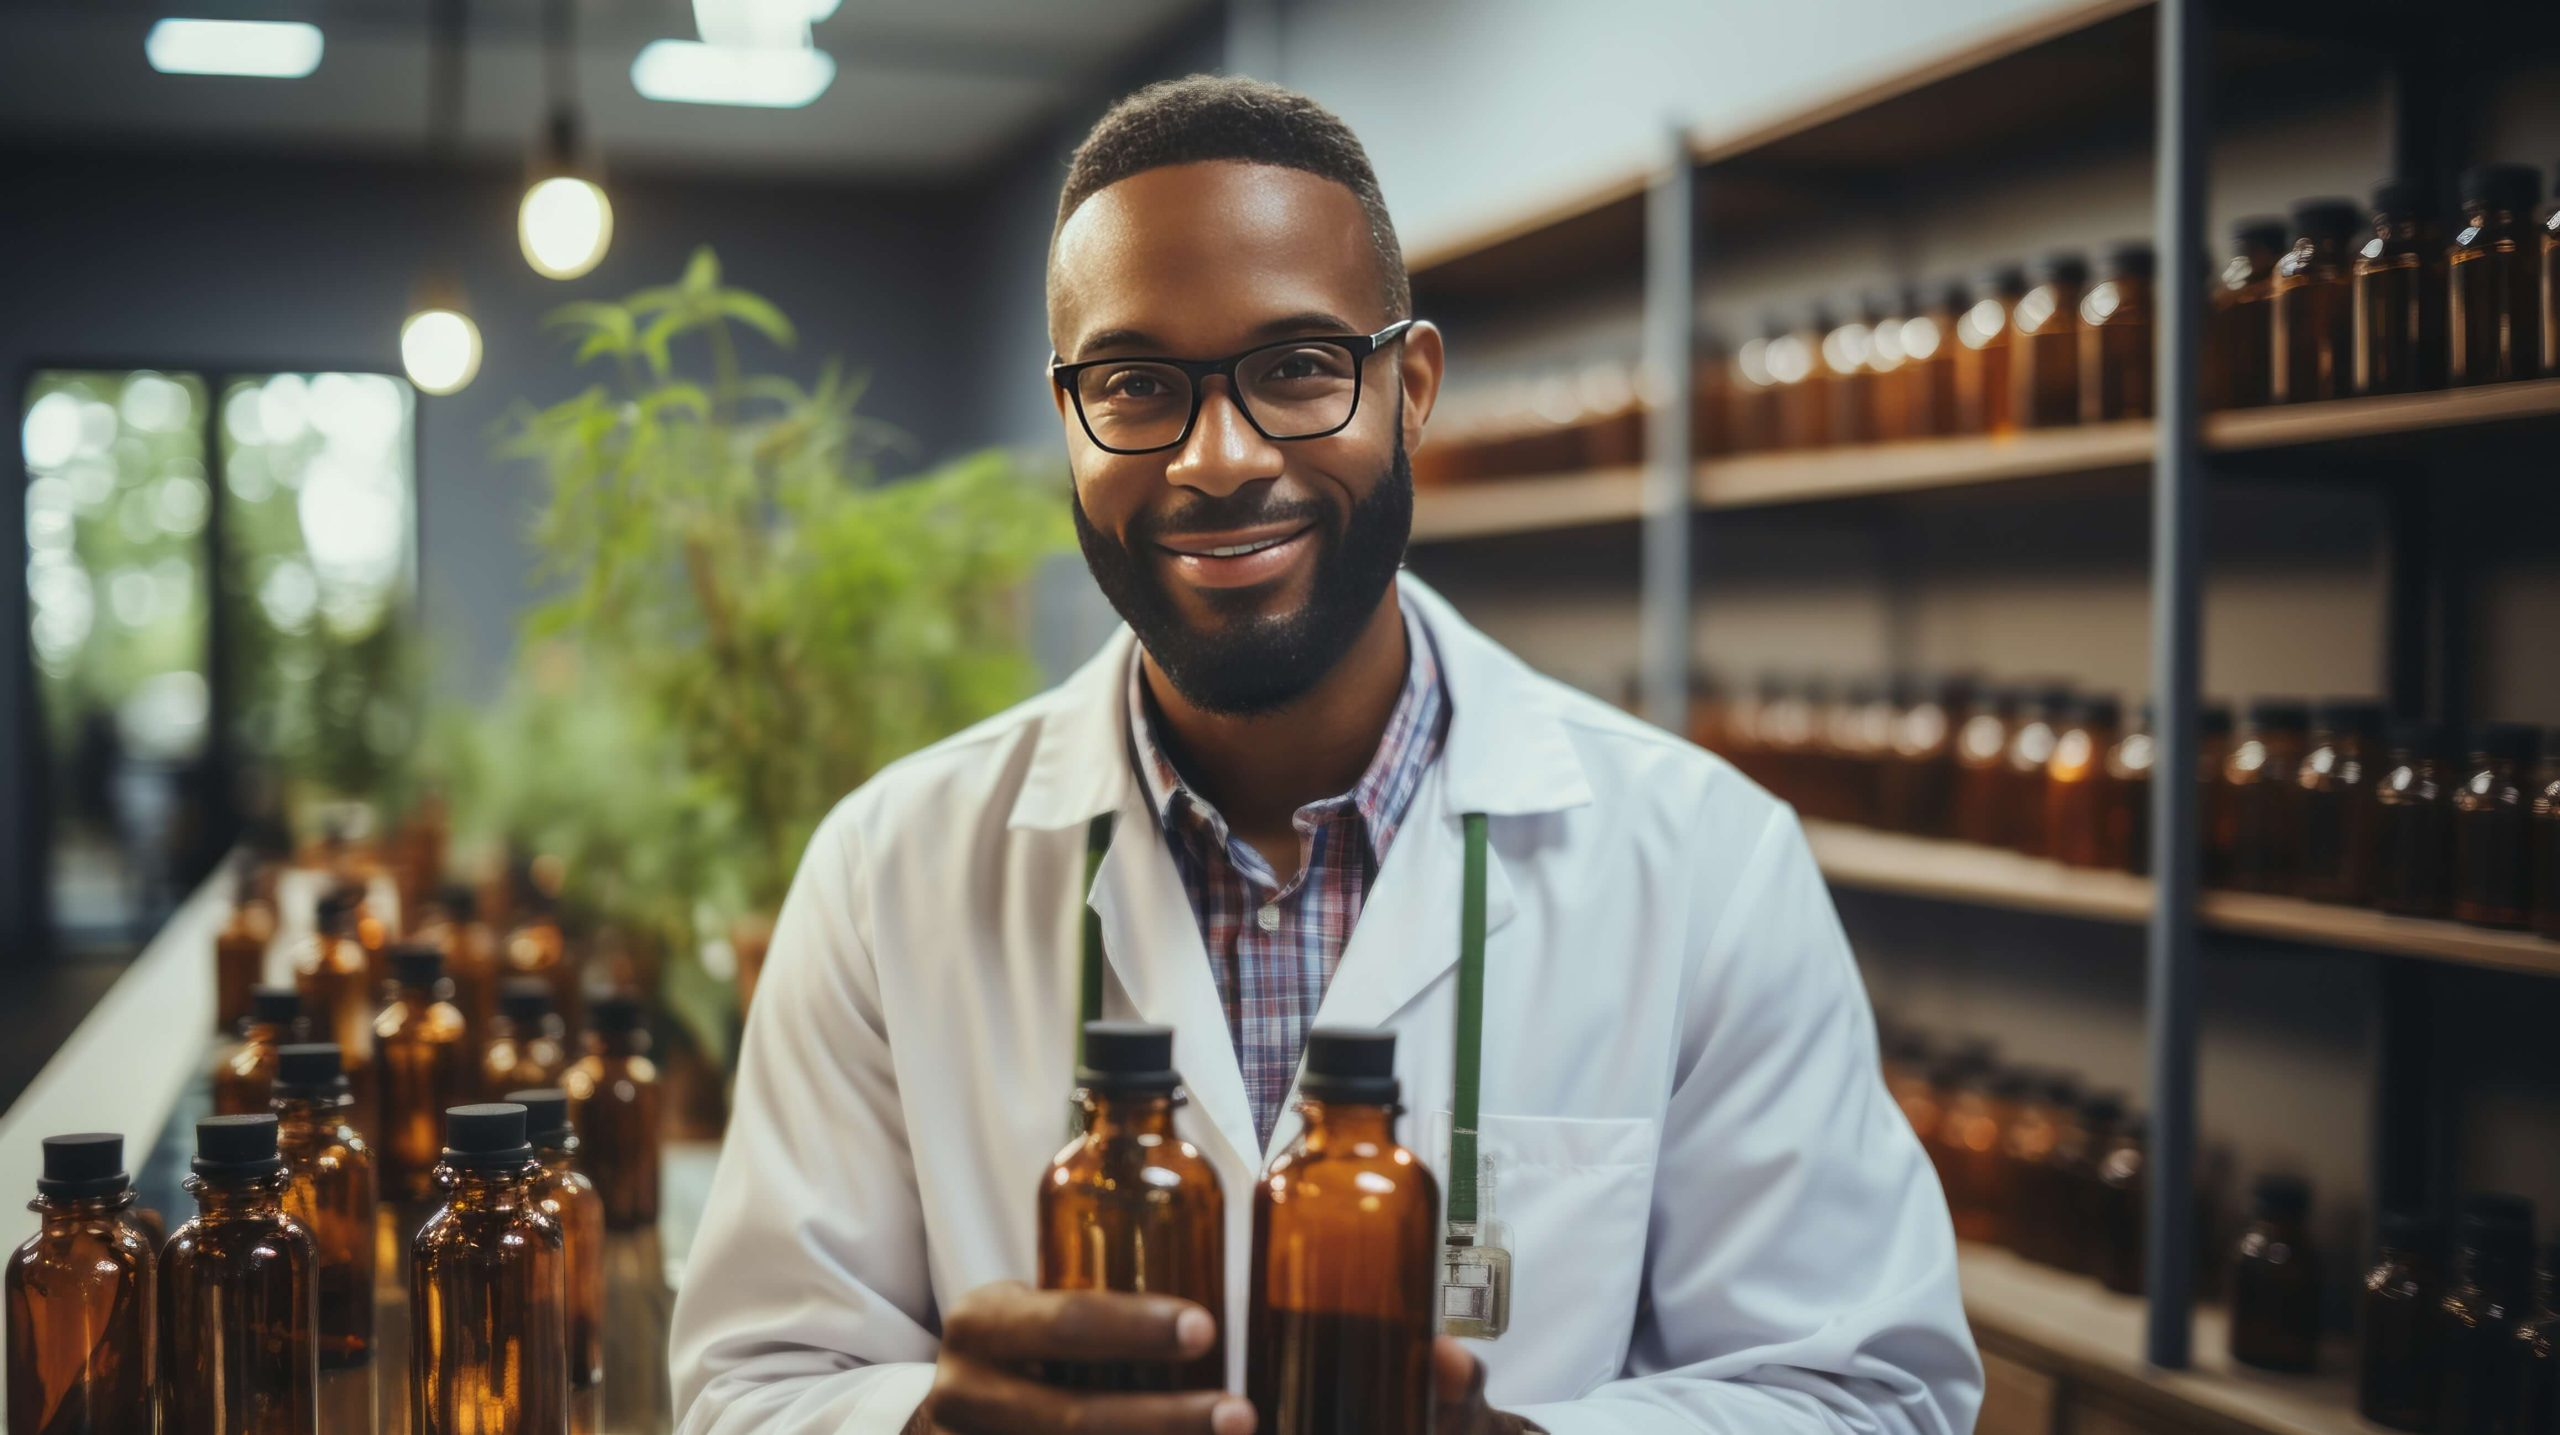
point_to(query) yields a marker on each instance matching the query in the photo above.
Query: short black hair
(1214, 117)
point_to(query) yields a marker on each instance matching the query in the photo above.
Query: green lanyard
(1470, 1032)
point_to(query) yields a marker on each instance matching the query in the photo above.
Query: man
(1717, 1220)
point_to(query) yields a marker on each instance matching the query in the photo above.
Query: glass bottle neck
(317, 1112)
(489, 1188)
(556, 1158)
(2498, 1277)
(58, 1209)
(228, 1198)
(1126, 1115)
(1349, 1123)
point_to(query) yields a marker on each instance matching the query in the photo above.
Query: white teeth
(1241, 549)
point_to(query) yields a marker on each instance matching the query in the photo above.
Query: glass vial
(2260, 787)
(2115, 337)
(2494, 303)
(1750, 409)
(2079, 783)
(240, 951)
(538, 948)
(2275, 1282)
(1345, 1263)
(425, 1068)
(1928, 343)
(239, 1335)
(613, 1098)
(2413, 825)
(2398, 286)
(1981, 768)
(2124, 836)
(571, 1201)
(488, 1290)
(80, 1293)
(2239, 339)
(1804, 386)
(2336, 782)
(335, 972)
(2483, 1366)
(2116, 1210)
(2024, 767)
(244, 1071)
(2396, 1314)
(2492, 816)
(2538, 1412)
(1848, 353)
(470, 954)
(329, 1188)
(2312, 327)
(1917, 781)
(1970, 1135)
(1986, 393)
(528, 1043)
(2042, 1145)
(1130, 1206)
(2046, 324)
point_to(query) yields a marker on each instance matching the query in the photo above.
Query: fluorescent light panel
(260, 49)
(768, 77)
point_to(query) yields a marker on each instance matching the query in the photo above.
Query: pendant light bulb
(564, 226)
(439, 345)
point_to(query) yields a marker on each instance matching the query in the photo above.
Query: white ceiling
(924, 89)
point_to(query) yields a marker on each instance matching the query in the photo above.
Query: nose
(1225, 451)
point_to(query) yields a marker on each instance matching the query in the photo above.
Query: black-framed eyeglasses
(1293, 389)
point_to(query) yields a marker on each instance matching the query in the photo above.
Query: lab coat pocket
(1576, 1195)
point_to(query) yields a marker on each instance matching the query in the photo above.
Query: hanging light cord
(447, 24)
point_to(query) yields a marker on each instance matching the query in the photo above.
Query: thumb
(1456, 1375)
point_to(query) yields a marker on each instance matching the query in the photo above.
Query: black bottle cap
(614, 1014)
(1352, 1065)
(1954, 295)
(2133, 258)
(2214, 719)
(1999, 281)
(2417, 738)
(546, 1114)
(86, 1165)
(235, 1147)
(2406, 1231)
(2063, 266)
(2258, 231)
(2340, 717)
(417, 964)
(2402, 197)
(2282, 1198)
(1819, 320)
(2102, 1110)
(274, 1006)
(1127, 1058)
(2505, 741)
(2279, 715)
(525, 999)
(2500, 186)
(2327, 218)
(459, 901)
(2102, 710)
(310, 1068)
(486, 1135)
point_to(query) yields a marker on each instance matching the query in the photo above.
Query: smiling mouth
(1184, 548)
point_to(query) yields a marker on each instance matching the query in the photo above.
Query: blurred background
(521, 460)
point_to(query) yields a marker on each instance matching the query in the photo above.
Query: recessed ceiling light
(262, 49)
(766, 76)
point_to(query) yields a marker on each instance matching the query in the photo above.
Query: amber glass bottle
(1804, 385)
(2025, 765)
(2275, 1282)
(2046, 351)
(80, 1297)
(528, 1044)
(2040, 1146)
(2115, 337)
(2101, 1124)
(329, 1189)
(1750, 409)
(2336, 780)
(2538, 1409)
(240, 951)
(1981, 769)
(1969, 1159)
(2398, 286)
(1889, 390)
(426, 1067)
(571, 1201)
(1929, 357)
(488, 1290)
(2313, 323)
(2079, 783)
(239, 1335)
(340, 998)
(2117, 1239)
(2546, 840)
(1848, 354)
(1858, 737)
(2483, 1364)
(2259, 781)
(470, 954)
(244, 1071)
(2124, 832)
(2494, 300)
(2239, 338)
(1917, 781)
(1130, 1206)
(1986, 393)
(538, 948)
(2492, 818)
(2413, 825)
(1345, 1257)
(613, 1096)
(1908, 1080)
(2396, 1328)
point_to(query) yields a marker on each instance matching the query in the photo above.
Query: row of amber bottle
(1346, 1240)
(2472, 1348)
(2325, 801)
(224, 1327)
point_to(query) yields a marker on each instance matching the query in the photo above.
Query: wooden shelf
(2382, 416)
(1490, 507)
(1981, 876)
(2095, 1337)
(1919, 465)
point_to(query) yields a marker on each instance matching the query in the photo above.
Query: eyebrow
(1312, 321)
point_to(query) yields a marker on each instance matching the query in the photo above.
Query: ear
(1418, 369)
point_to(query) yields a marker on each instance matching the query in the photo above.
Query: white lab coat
(1719, 1220)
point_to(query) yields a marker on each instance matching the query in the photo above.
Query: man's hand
(1457, 1380)
(995, 1338)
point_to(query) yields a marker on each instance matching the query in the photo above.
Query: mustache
(1244, 508)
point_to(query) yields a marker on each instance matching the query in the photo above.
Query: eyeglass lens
(1288, 390)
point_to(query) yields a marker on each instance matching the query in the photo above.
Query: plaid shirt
(1274, 948)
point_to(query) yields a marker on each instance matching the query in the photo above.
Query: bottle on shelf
(426, 1067)
(613, 1098)
(1129, 1205)
(244, 1070)
(1929, 359)
(2538, 1411)
(488, 1289)
(1345, 1266)
(572, 1202)
(239, 1331)
(1787, 730)
(528, 1043)
(1889, 315)
(2275, 1282)
(335, 972)
(2082, 1195)
(1908, 1079)
(330, 1188)
(2116, 336)
(1751, 391)
(80, 1293)
(2046, 352)
(2079, 783)
(2114, 1229)
(2124, 826)
(1981, 769)
(240, 950)
(2492, 818)
(2043, 1145)
(2264, 800)
(1804, 382)
(2413, 825)
(2213, 752)
(2239, 339)
(1857, 738)
(2494, 300)
(1970, 1135)
(1918, 777)
(1986, 389)
(2546, 840)
(2025, 765)
(1848, 352)
(2336, 782)
(2311, 334)
(2396, 1316)
(470, 954)
(538, 948)
(2482, 1365)
(2398, 286)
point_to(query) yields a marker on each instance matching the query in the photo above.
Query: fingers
(974, 1399)
(1011, 1322)
(1457, 1377)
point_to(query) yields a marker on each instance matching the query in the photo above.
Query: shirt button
(1268, 919)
